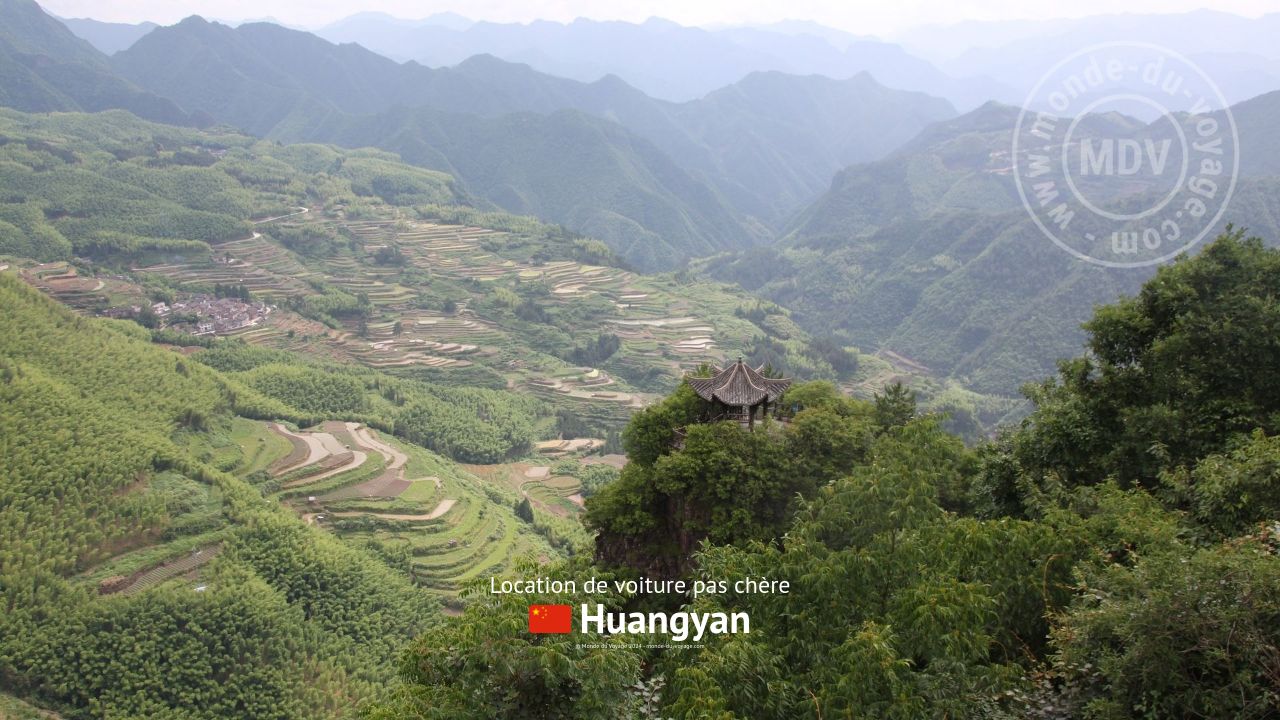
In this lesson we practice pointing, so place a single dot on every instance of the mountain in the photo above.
(109, 38)
(774, 140)
(293, 86)
(44, 67)
(768, 143)
(929, 255)
(662, 58)
(738, 162)
(1237, 53)
(568, 167)
(1256, 120)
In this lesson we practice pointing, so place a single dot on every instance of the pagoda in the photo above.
(736, 392)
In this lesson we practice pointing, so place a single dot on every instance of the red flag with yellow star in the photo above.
(550, 619)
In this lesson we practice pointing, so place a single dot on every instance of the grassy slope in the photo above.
(156, 500)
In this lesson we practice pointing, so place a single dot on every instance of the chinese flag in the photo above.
(550, 618)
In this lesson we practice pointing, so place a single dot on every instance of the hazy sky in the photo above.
(859, 16)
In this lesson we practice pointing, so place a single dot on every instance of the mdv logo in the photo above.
(1125, 156)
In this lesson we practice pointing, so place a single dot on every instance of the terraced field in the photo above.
(350, 480)
(230, 264)
(450, 524)
(561, 448)
(433, 308)
(86, 294)
(556, 493)
(186, 565)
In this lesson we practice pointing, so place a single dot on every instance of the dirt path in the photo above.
(301, 210)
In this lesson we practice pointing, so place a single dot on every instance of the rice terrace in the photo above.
(435, 517)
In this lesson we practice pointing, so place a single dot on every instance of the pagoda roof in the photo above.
(739, 385)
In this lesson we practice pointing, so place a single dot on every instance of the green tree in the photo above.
(895, 406)
(1194, 633)
(1179, 372)
(487, 666)
(897, 608)
(688, 481)
(524, 510)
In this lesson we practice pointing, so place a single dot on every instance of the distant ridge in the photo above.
(933, 248)
(44, 67)
(661, 181)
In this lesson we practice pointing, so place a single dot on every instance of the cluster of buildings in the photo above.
(213, 315)
(200, 314)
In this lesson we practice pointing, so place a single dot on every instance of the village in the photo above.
(198, 314)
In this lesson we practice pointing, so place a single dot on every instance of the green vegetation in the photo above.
(283, 622)
(464, 423)
(471, 303)
(1067, 569)
(470, 425)
(1173, 398)
(252, 526)
(489, 667)
(147, 212)
(109, 186)
(929, 258)
(724, 484)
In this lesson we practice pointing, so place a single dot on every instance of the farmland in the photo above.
(467, 266)
(452, 304)
(428, 517)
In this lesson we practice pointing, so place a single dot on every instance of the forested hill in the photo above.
(158, 557)
(929, 253)
(292, 86)
(100, 436)
(44, 67)
(108, 185)
(1115, 555)
(715, 173)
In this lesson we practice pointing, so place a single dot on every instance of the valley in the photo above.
(307, 345)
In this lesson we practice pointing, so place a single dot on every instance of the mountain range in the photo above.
(929, 254)
(898, 225)
(44, 67)
(967, 63)
(661, 58)
(737, 163)
(660, 181)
